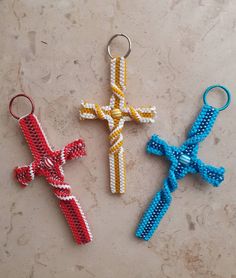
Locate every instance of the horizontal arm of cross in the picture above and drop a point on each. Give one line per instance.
(25, 174)
(209, 173)
(159, 147)
(93, 111)
(73, 150)
(140, 115)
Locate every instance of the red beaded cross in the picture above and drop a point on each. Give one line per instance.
(48, 163)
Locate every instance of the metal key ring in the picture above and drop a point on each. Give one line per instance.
(112, 38)
(11, 103)
(225, 90)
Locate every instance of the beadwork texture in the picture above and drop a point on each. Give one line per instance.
(116, 114)
(183, 160)
(48, 163)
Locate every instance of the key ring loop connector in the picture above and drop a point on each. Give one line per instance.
(11, 104)
(224, 89)
(110, 41)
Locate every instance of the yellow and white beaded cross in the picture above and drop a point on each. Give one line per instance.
(116, 114)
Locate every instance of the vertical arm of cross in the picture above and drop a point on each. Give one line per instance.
(202, 125)
(71, 209)
(35, 136)
(117, 102)
(162, 199)
(156, 209)
(48, 163)
(117, 159)
(199, 131)
(119, 109)
(38, 145)
(68, 203)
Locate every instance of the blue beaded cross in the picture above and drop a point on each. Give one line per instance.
(183, 160)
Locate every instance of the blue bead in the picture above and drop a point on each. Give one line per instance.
(184, 159)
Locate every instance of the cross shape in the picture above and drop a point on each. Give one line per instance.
(48, 163)
(184, 160)
(116, 114)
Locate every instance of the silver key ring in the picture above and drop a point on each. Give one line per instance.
(110, 41)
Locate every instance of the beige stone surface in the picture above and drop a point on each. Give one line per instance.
(56, 52)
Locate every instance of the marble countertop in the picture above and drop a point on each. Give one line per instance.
(56, 52)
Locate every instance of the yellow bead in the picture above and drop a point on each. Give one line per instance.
(116, 113)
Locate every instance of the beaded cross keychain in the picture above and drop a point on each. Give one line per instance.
(48, 163)
(183, 160)
(116, 114)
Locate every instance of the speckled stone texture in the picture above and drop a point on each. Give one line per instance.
(56, 52)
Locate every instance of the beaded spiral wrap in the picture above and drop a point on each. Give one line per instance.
(116, 114)
(183, 160)
(48, 163)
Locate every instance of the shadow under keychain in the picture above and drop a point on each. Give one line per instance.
(116, 114)
(184, 160)
(48, 163)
